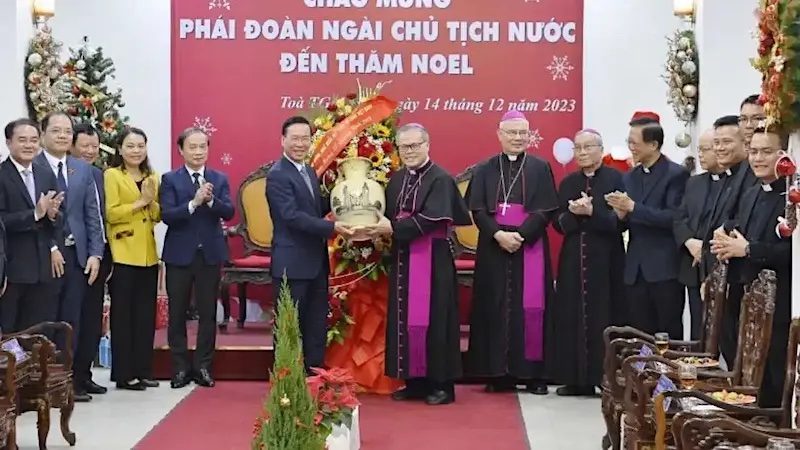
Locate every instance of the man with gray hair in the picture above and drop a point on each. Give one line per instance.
(422, 333)
(590, 292)
(513, 198)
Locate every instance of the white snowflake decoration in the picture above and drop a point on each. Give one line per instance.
(226, 159)
(220, 4)
(535, 139)
(560, 68)
(205, 124)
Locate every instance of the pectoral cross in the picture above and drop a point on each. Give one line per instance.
(503, 207)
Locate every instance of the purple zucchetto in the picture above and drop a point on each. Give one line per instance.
(513, 115)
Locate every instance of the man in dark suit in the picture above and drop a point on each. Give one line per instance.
(654, 191)
(730, 147)
(750, 243)
(82, 247)
(299, 243)
(194, 201)
(691, 227)
(29, 208)
(86, 146)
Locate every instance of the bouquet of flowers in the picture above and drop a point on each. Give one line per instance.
(353, 261)
(778, 47)
(334, 392)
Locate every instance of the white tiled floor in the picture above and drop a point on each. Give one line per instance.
(119, 419)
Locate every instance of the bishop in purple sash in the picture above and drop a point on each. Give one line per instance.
(422, 333)
(513, 198)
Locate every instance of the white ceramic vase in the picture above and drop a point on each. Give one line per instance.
(356, 199)
(343, 438)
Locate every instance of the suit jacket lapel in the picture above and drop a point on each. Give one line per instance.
(298, 179)
(16, 178)
(38, 179)
(73, 182)
(759, 222)
(657, 172)
(698, 199)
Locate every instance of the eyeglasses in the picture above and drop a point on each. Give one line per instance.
(587, 147)
(516, 133)
(752, 120)
(411, 147)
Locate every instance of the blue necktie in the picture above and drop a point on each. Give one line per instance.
(307, 179)
(62, 187)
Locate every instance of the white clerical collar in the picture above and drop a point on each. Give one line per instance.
(53, 160)
(728, 172)
(645, 169)
(414, 170)
(766, 187)
(715, 177)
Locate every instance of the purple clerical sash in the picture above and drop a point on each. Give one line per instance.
(420, 272)
(533, 284)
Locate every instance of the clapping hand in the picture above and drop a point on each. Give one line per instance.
(44, 204)
(148, 191)
(730, 246)
(620, 202)
(55, 205)
(581, 206)
(208, 192)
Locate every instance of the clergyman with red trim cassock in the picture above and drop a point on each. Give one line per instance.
(422, 328)
(513, 198)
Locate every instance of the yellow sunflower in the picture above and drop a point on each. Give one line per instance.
(380, 177)
(376, 159)
(340, 102)
(380, 130)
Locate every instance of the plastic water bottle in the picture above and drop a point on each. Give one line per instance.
(105, 352)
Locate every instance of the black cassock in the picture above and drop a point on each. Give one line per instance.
(422, 331)
(756, 218)
(511, 291)
(589, 291)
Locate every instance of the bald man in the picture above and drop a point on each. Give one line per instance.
(512, 196)
(693, 219)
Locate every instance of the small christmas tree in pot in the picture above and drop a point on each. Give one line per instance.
(287, 419)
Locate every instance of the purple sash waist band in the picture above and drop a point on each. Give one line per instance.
(420, 272)
(533, 284)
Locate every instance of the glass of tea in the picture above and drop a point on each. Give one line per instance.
(662, 342)
(687, 374)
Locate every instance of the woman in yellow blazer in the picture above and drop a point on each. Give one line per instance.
(132, 211)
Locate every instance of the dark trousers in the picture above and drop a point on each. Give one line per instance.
(69, 292)
(696, 312)
(91, 328)
(25, 305)
(180, 280)
(425, 386)
(133, 321)
(311, 298)
(656, 307)
(729, 338)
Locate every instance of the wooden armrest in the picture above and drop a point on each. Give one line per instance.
(739, 410)
(675, 354)
(39, 329)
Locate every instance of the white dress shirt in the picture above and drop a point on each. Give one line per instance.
(201, 179)
(53, 162)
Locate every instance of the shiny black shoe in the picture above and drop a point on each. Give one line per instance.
(500, 387)
(405, 394)
(203, 378)
(575, 391)
(439, 398)
(536, 388)
(181, 379)
(82, 397)
(138, 386)
(148, 383)
(94, 388)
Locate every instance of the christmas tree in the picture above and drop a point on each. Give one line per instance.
(89, 99)
(42, 71)
(288, 418)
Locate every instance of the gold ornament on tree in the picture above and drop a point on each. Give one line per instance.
(285, 402)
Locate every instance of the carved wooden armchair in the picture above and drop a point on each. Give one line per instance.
(50, 382)
(622, 342)
(771, 421)
(464, 240)
(646, 421)
(8, 399)
(720, 431)
(255, 229)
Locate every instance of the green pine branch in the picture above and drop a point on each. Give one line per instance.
(287, 422)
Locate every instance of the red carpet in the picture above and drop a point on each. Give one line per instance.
(222, 419)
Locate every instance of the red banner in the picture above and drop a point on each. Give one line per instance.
(241, 67)
(365, 115)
